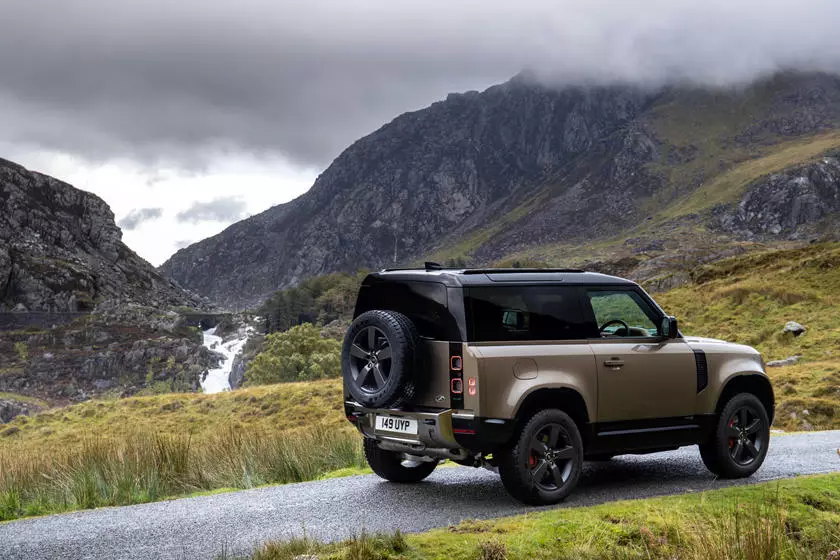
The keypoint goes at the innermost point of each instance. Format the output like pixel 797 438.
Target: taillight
pixel 471 386
pixel 456 375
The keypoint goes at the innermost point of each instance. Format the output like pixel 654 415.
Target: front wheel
pixel 739 445
pixel 544 465
pixel 392 466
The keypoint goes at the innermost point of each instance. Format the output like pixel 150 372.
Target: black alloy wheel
pixel 739 444
pixel 551 457
pixel 544 463
pixel 382 360
pixel 370 360
pixel 746 438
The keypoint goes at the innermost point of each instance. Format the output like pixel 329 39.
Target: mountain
pixel 60 250
pixel 80 313
pixel 616 178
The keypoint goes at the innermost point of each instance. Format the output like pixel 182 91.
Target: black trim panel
pixel 702 369
pixel 648 430
pixel 456 399
pixel 641 435
pixel 482 434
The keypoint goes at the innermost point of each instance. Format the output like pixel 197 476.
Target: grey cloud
pixel 138 216
pixel 224 209
pixel 157 80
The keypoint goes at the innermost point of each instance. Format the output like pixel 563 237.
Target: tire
pixel 391 466
pixel 603 458
pixel 380 359
pixel 741 438
pixel 519 465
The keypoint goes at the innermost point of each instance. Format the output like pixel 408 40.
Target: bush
pixel 299 354
pixel 22 351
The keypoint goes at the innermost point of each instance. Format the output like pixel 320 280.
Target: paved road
pixel 333 509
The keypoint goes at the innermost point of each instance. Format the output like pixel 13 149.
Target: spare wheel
pixel 381 359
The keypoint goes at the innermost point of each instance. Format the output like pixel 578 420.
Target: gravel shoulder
pixel 201 527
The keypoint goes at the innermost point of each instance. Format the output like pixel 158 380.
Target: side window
pixel 622 313
pixel 508 313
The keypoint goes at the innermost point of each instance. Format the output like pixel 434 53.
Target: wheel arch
pixel 567 399
pixel 758 385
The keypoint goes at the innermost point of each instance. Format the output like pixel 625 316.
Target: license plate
pixel 398 425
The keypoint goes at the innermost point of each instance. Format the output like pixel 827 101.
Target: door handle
pixel 614 363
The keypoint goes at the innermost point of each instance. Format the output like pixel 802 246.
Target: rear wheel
pixel 741 438
pixel 393 466
pixel 544 465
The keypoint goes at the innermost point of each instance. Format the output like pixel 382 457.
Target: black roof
pixel 500 276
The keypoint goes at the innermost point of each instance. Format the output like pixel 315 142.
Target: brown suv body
pixel 499 346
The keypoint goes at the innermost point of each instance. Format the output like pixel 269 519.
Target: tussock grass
pixel 146 467
pixel 271 408
pixel 796 519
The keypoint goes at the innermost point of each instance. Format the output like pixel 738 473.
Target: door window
pixel 623 314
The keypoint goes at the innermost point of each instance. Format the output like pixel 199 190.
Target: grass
pixel 137 449
pixel 270 408
pixel 147 467
pixel 141 449
pixel 24 399
pixel 791 519
pixel 748 299
pixel 728 186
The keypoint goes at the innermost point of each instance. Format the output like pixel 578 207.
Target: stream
pixel 218 379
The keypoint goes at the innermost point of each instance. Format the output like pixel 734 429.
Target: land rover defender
pixel 533 371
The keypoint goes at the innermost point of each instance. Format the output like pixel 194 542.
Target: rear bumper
pixel 436 429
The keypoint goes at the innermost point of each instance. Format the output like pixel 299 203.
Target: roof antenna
pixel 429 265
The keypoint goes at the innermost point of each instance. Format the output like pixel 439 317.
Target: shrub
pixel 22 351
pixel 299 354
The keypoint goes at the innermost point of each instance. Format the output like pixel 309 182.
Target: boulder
pixel 11 409
pixel 786 362
pixel 793 327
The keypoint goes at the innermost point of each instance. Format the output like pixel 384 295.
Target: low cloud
pixel 224 209
pixel 157 80
pixel 184 243
pixel 139 216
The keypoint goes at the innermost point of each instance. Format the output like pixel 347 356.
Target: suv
pixel 533 371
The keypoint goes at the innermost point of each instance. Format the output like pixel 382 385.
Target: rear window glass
pixel 509 313
pixel 425 303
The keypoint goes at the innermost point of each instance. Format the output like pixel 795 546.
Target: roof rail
pixel 518 270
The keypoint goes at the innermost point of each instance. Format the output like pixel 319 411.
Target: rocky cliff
pixel 529 171
pixel 61 251
pixel 97 317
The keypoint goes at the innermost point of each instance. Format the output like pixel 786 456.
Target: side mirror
pixel 669 328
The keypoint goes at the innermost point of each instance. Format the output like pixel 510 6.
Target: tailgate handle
pixel 614 363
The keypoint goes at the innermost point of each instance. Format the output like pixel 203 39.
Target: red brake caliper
pixel 731 440
pixel 532 460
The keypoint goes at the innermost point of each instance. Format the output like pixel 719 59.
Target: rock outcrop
pixel 11 409
pixel 84 315
pixel 524 165
pixel 60 251
pixel 792 204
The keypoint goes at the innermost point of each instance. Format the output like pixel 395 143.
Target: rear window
pixel 425 303
pixel 510 313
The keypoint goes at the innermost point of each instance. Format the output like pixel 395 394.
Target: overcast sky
pixel 186 116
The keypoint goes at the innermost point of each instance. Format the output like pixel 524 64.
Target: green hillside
pixel 105 452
